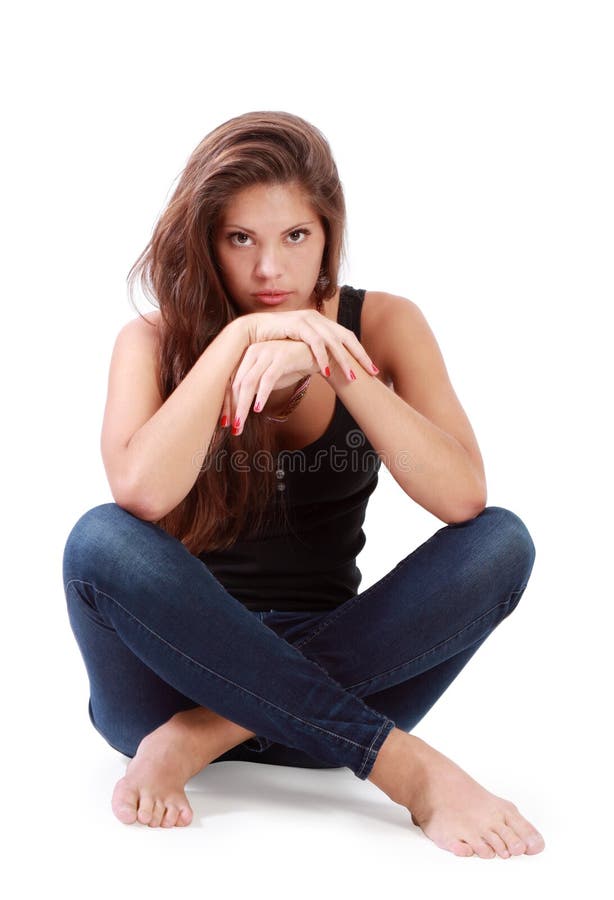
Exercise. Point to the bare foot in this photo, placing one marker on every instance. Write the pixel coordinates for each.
(152, 790)
(452, 809)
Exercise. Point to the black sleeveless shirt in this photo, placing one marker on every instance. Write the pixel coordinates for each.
(309, 563)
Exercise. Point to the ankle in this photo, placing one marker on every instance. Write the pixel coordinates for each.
(209, 734)
(397, 769)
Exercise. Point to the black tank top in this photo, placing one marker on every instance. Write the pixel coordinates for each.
(309, 563)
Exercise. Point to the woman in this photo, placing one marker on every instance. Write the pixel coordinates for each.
(215, 601)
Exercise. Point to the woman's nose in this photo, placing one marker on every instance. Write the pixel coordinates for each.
(268, 265)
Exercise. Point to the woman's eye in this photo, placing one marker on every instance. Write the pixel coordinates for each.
(237, 237)
(299, 231)
(239, 234)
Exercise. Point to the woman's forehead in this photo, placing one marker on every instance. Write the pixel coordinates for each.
(268, 208)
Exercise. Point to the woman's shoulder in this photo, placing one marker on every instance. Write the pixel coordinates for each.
(146, 326)
(381, 305)
(377, 317)
(142, 335)
(152, 317)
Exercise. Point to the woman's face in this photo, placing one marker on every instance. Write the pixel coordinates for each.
(270, 239)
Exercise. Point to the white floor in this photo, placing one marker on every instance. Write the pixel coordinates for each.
(271, 831)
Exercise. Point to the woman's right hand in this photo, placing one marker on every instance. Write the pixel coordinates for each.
(326, 338)
(265, 367)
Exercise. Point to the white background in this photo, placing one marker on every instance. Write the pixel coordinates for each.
(474, 143)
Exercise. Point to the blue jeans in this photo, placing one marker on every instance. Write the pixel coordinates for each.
(159, 634)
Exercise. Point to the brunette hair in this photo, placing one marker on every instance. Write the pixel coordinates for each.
(179, 273)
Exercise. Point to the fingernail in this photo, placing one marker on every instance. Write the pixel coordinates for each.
(224, 421)
(327, 372)
(257, 407)
(374, 367)
(352, 376)
(235, 426)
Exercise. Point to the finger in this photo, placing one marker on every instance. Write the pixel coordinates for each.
(317, 343)
(254, 355)
(243, 393)
(350, 342)
(237, 413)
(361, 355)
(345, 362)
(229, 400)
(266, 385)
(225, 412)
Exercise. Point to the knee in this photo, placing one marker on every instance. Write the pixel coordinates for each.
(93, 537)
(511, 545)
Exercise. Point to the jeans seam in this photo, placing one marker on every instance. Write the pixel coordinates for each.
(349, 604)
(343, 608)
(371, 752)
(195, 663)
(452, 637)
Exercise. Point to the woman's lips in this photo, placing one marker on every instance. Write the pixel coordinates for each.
(272, 299)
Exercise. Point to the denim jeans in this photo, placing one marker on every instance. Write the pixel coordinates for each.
(159, 634)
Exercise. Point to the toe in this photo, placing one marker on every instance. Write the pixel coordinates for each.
(460, 848)
(497, 842)
(528, 833)
(535, 843)
(146, 805)
(481, 848)
(157, 814)
(124, 802)
(185, 816)
(514, 844)
(170, 816)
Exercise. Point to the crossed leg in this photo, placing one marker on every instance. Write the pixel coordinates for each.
(400, 644)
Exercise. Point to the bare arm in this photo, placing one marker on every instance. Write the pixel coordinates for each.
(419, 428)
(155, 468)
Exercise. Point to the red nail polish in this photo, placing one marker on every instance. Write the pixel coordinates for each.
(235, 425)
(352, 376)
(257, 407)
(327, 372)
(374, 367)
(224, 421)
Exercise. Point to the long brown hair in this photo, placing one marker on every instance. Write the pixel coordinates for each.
(178, 271)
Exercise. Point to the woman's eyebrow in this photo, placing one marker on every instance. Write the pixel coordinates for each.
(249, 230)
